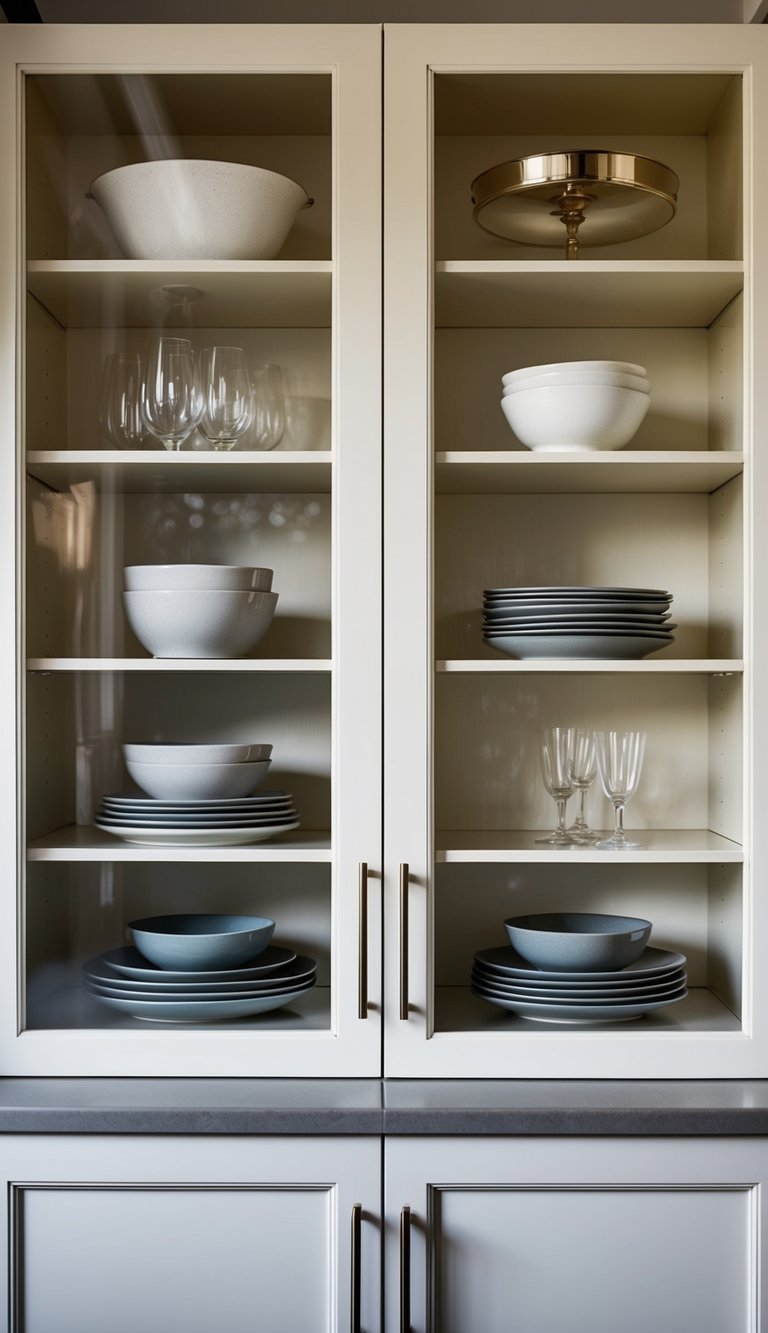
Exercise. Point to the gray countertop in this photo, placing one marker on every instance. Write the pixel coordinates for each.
(368, 1106)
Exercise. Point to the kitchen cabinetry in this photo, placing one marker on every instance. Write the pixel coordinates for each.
(77, 102)
(469, 508)
(193, 1233)
(586, 1234)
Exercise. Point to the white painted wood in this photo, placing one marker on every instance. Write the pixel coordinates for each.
(493, 293)
(209, 1232)
(315, 311)
(461, 309)
(557, 1233)
(179, 664)
(486, 472)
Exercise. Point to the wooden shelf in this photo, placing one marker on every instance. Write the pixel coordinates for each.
(304, 665)
(143, 471)
(658, 847)
(557, 293)
(584, 665)
(128, 293)
(85, 843)
(513, 472)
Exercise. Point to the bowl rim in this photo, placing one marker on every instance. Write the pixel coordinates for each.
(145, 924)
(214, 592)
(633, 923)
(198, 161)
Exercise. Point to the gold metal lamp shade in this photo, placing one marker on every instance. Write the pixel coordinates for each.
(587, 197)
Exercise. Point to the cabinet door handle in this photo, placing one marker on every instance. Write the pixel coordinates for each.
(404, 878)
(362, 984)
(357, 1219)
(405, 1269)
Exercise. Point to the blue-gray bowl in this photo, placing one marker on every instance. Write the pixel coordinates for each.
(201, 942)
(578, 941)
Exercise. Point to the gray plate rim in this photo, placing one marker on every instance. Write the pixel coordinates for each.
(144, 967)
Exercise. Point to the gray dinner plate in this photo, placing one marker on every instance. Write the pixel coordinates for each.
(198, 1010)
(598, 646)
(234, 991)
(193, 821)
(584, 994)
(267, 799)
(575, 625)
(652, 962)
(582, 1014)
(128, 962)
(592, 611)
(543, 982)
(654, 594)
(102, 974)
(196, 837)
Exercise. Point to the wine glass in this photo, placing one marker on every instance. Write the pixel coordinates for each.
(556, 755)
(121, 394)
(582, 772)
(172, 404)
(620, 760)
(269, 406)
(227, 392)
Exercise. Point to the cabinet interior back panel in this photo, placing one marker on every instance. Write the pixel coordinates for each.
(645, 541)
(80, 541)
(695, 377)
(77, 723)
(487, 732)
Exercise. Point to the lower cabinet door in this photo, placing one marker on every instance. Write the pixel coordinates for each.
(576, 1235)
(206, 1235)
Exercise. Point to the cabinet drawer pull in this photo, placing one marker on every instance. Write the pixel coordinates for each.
(362, 984)
(404, 874)
(357, 1219)
(405, 1269)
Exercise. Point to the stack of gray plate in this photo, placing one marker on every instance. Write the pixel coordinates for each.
(219, 823)
(502, 976)
(577, 622)
(126, 981)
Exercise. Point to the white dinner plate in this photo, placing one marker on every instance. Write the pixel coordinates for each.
(598, 646)
(175, 837)
(199, 1010)
(585, 1013)
(128, 962)
(263, 798)
(193, 821)
(652, 962)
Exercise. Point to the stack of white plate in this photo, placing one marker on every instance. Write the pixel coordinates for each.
(657, 979)
(577, 621)
(215, 823)
(123, 980)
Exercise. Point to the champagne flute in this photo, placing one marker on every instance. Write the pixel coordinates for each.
(227, 392)
(121, 394)
(269, 406)
(172, 404)
(620, 760)
(556, 756)
(582, 772)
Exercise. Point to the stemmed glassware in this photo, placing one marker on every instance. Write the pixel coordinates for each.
(556, 755)
(121, 394)
(583, 769)
(269, 406)
(228, 396)
(172, 403)
(620, 760)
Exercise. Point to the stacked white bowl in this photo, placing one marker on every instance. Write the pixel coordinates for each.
(206, 611)
(192, 772)
(576, 405)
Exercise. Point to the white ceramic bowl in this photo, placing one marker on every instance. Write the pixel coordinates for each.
(197, 782)
(575, 416)
(230, 578)
(622, 367)
(553, 379)
(199, 622)
(192, 209)
(192, 753)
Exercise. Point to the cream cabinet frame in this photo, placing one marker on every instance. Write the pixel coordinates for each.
(70, 96)
(467, 507)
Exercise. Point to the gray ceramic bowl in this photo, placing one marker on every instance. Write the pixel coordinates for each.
(158, 752)
(164, 578)
(193, 622)
(197, 782)
(578, 941)
(202, 942)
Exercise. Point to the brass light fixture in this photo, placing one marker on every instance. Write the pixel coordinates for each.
(599, 196)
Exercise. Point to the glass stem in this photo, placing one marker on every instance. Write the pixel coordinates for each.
(580, 820)
(561, 804)
(618, 832)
